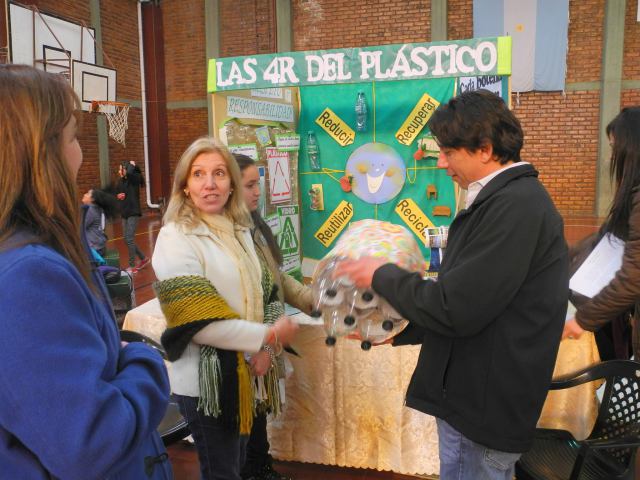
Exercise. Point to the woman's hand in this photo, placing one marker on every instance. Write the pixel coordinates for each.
(260, 363)
(282, 332)
(572, 329)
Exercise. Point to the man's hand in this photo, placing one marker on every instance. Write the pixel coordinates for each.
(120, 196)
(356, 336)
(572, 330)
(359, 271)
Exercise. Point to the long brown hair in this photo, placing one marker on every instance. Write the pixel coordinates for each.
(624, 132)
(37, 188)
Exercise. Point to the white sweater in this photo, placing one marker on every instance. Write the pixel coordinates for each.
(180, 251)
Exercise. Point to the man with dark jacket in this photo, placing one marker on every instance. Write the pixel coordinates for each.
(490, 326)
(128, 193)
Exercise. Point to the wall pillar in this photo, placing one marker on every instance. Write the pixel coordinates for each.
(101, 121)
(284, 34)
(212, 44)
(610, 90)
(438, 20)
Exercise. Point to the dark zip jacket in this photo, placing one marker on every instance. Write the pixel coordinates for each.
(490, 326)
(130, 185)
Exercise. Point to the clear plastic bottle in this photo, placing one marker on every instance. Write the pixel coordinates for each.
(313, 152)
(361, 113)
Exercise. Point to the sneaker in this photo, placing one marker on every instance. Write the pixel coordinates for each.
(143, 263)
(131, 270)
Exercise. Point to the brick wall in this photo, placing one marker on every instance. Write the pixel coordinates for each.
(584, 58)
(631, 65)
(459, 19)
(326, 24)
(561, 140)
(184, 50)
(249, 27)
(561, 131)
(120, 45)
(184, 126)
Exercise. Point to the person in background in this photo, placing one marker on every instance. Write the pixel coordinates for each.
(99, 206)
(224, 320)
(490, 326)
(74, 402)
(259, 464)
(128, 192)
(621, 297)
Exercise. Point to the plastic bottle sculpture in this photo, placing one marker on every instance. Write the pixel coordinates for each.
(363, 314)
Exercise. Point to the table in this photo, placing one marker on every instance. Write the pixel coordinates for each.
(345, 407)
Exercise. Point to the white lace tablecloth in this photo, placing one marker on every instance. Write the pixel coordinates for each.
(345, 406)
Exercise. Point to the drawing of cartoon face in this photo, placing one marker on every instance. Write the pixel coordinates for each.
(378, 172)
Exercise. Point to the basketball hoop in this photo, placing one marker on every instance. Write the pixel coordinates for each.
(117, 114)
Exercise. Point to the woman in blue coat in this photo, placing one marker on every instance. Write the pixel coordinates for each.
(74, 402)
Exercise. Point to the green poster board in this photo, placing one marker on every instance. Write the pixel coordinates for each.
(389, 105)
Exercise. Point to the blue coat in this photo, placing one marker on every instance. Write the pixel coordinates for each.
(74, 404)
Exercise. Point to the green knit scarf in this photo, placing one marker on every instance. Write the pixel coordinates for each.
(189, 304)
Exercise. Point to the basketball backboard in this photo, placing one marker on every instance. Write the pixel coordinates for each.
(93, 83)
(48, 42)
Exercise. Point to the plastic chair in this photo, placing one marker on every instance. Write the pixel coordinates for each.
(609, 452)
(173, 426)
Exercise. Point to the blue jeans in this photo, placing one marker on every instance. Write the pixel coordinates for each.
(221, 452)
(129, 226)
(463, 459)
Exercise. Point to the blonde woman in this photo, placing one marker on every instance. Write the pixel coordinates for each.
(221, 308)
(74, 403)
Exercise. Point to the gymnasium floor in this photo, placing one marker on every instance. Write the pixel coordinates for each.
(183, 456)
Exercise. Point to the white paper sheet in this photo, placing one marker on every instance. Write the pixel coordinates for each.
(300, 317)
(599, 267)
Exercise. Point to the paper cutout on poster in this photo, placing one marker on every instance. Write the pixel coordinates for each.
(335, 223)
(267, 92)
(288, 142)
(279, 175)
(491, 83)
(240, 107)
(262, 202)
(417, 119)
(248, 149)
(263, 136)
(274, 223)
(336, 127)
(289, 237)
(414, 217)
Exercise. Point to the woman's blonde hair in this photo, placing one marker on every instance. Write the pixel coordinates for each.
(37, 187)
(181, 208)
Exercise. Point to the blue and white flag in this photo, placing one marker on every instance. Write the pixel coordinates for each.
(539, 29)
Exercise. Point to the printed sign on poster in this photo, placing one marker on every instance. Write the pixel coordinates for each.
(289, 237)
(279, 175)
